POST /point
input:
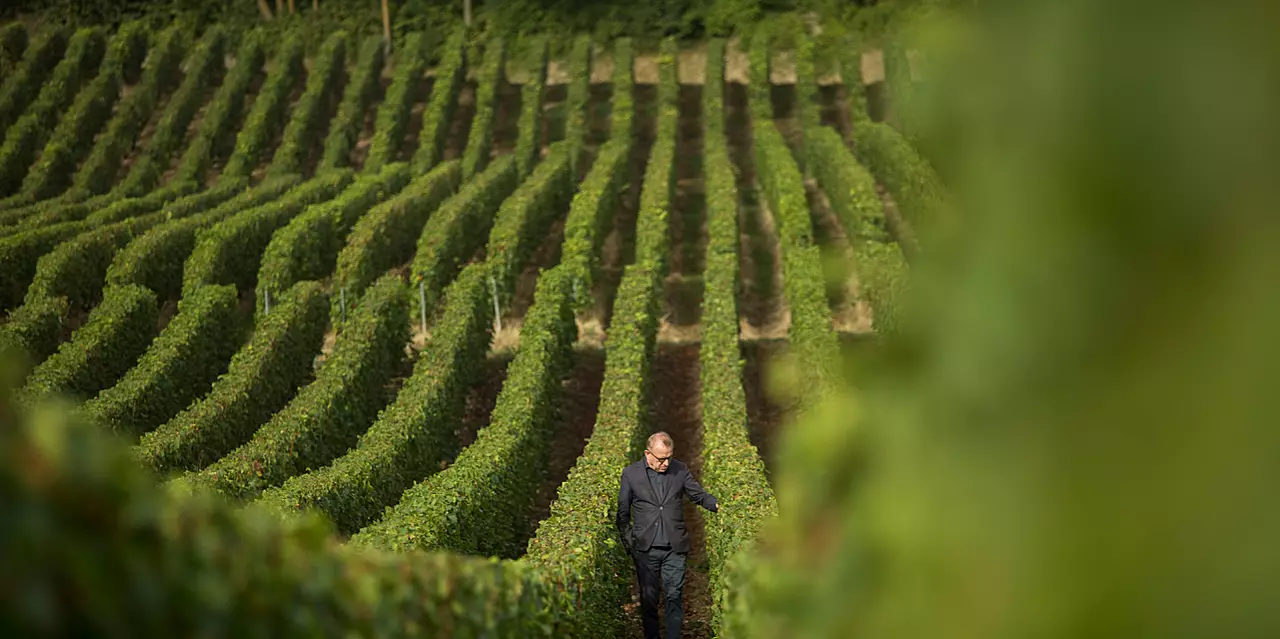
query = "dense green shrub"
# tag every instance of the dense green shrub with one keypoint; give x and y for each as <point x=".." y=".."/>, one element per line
<point x="179" y="366"/>
<point x="416" y="432"/>
<point x="852" y="84"/>
<point x="575" y="125"/>
<point x="529" y="126"/>
<point x="440" y="110"/>
<point x="155" y="260"/>
<point x="21" y="88"/>
<point x="454" y="232"/>
<point x="24" y="139"/>
<point x="262" y="377"/>
<point x="328" y="415"/>
<point x="178" y="200"/>
<point x="480" y="136"/>
<point x="361" y="89"/>
<point x="713" y="90"/>
<point x="20" y="253"/>
<point x="652" y="238"/>
<point x="201" y="71"/>
<point x="92" y="108"/>
<point x="115" y="335"/>
<point x="230" y="251"/>
<point x="393" y="114"/>
<point x="849" y="187"/>
<point x="593" y="205"/>
<point x="13" y="42"/>
<point x="759" y="89"/>
<point x="306" y="121"/>
<point x="479" y="505"/>
<point x="597" y="574"/>
<point x="307" y="247"/>
<point x="212" y="140"/>
<point x="77" y="268"/>
<point x="908" y="177"/>
<point x="622" y="117"/>
<point x="32" y="331"/>
<point x="524" y="218"/>
<point x="808" y="101"/>
<point x="270" y="110"/>
<point x="386" y="235"/>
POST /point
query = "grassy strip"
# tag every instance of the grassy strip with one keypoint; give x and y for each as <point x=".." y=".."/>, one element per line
<point x="155" y="260"/>
<point x="307" y="247"/>
<point x="74" y="136"/>
<point x="440" y="109"/>
<point x="387" y="235"/>
<point x="262" y="377"/>
<point x="270" y="110"/>
<point x="116" y="334"/>
<point x="25" y="138"/>
<point x="652" y="238"/>
<point x="33" y="331"/>
<point x="179" y="366"/>
<point x="361" y="89"/>
<point x="479" y="504"/>
<point x="529" y="127"/>
<point x="759" y="88"/>
<point x="575" y="125"/>
<point x="230" y="252"/>
<point x="306" y="122"/>
<point x="222" y="113"/>
<point x="594" y="203"/>
<point x="622" y="118"/>
<point x="596" y="576"/>
<point x="327" y="416"/>
<point x="22" y="87"/>
<point x="413" y="435"/>
<point x="480" y="136"/>
<point x="454" y="233"/>
<point x="202" y="70"/>
<point x="13" y="42"/>
<point x="393" y="113"/>
<point x="526" y="216"/>
<point x="908" y="177"/>
<point x="731" y="465"/>
<point x="77" y="268"/>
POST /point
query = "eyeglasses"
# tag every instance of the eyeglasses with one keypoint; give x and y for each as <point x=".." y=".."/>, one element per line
<point x="660" y="460"/>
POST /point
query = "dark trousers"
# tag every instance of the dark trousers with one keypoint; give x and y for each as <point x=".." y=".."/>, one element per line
<point x="668" y="566"/>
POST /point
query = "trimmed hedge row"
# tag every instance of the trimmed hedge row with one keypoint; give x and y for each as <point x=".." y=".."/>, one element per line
<point x="453" y="234"/>
<point x="413" y="435"/>
<point x="855" y="91"/>
<point x="361" y="90"/>
<point x="230" y="251"/>
<point x="713" y="91"/>
<point x="223" y="112"/>
<point x="652" y="238"/>
<point x="77" y="268"/>
<point x="21" y="88"/>
<point x="179" y="366"/>
<point x="179" y="196"/>
<point x="529" y="126"/>
<point x="575" y="124"/>
<point x="596" y="576"/>
<point x="849" y="187"/>
<point x="808" y="101"/>
<point x="480" y="136"/>
<point x="479" y="505"/>
<point x="262" y="377"/>
<point x="526" y="216"/>
<point x="393" y="113"/>
<point x="13" y="42"/>
<point x="450" y="75"/>
<point x="202" y="70"/>
<point x="306" y="122"/>
<point x="33" y="331"/>
<point x="592" y="206"/>
<point x="103" y="520"/>
<point x="731" y="465"/>
<point x="759" y="89"/>
<point x="161" y="72"/>
<point x="387" y="235"/>
<point x="74" y="136"/>
<point x="915" y="187"/>
<point x="20" y="253"/>
<point x="155" y="260"/>
<point x="327" y="416"/>
<point x="25" y="138"/>
<point x="270" y="110"/>
<point x="307" y="247"/>
<point x="622" y="118"/>
<point x="116" y="334"/>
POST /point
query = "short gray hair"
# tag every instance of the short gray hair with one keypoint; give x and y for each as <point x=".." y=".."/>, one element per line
<point x="662" y="438"/>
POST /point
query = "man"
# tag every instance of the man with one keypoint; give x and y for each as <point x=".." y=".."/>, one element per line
<point x="654" y="488"/>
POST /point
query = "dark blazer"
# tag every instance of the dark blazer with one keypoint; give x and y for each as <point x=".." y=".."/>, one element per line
<point x="636" y="495"/>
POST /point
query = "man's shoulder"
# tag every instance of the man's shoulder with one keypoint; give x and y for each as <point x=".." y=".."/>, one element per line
<point x="677" y="467"/>
<point x="633" y="467"/>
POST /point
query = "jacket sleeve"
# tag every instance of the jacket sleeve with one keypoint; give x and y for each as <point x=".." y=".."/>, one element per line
<point x="623" y="517"/>
<point x="697" y="494"/>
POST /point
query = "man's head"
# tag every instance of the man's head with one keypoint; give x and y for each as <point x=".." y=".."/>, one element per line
<point x="658" y="452"/>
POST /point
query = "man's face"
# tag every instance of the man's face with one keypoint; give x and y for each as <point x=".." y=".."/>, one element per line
<point x="658" y="458"/>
